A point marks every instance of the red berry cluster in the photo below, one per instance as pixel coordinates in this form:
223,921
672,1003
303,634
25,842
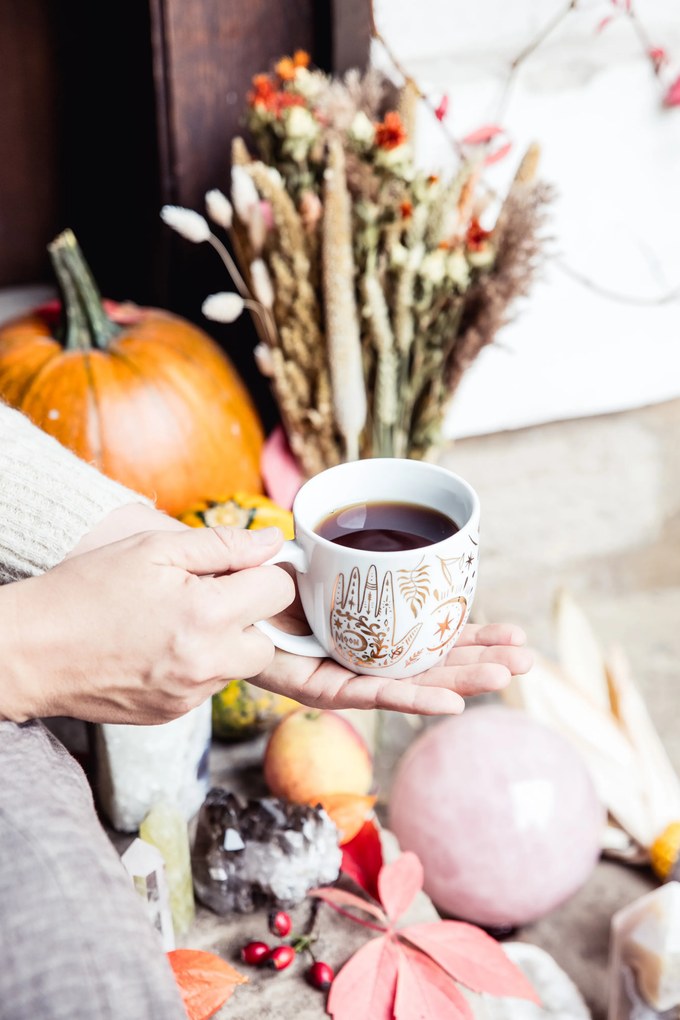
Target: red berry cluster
319,974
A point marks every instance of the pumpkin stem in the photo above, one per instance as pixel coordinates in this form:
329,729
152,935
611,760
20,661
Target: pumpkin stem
87,324
76,334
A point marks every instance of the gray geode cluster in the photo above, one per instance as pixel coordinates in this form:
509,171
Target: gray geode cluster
265,852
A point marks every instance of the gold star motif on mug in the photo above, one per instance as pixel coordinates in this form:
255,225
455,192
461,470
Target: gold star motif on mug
444,626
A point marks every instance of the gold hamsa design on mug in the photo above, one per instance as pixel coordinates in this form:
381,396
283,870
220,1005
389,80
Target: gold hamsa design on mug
363,623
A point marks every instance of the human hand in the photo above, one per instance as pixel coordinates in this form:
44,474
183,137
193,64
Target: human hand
124,521
484,659
143,629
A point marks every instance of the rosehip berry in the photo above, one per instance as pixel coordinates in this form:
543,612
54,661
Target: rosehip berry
280,923
255,953
320,975
280,957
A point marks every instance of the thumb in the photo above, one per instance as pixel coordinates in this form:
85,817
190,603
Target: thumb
217,550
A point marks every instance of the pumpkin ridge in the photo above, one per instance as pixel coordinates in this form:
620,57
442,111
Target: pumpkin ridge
93,397
197,361
151,389
30,383
249,435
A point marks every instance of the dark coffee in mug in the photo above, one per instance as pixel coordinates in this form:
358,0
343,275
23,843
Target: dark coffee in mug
386,527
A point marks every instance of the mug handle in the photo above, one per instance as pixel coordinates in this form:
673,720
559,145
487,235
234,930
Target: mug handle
298,644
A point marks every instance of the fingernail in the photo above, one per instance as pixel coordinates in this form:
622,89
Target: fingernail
266,536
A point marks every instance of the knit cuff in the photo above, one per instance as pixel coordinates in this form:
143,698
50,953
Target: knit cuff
49,498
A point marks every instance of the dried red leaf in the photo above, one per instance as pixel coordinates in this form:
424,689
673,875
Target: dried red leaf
498,154
658,56
482,135
340,898
442,108
425,992
50,312
362,858
365,987
672,97
205,981
398,884
472,957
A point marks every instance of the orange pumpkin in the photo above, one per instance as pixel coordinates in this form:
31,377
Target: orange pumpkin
143,394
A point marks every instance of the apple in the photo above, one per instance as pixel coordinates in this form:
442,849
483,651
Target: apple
312,753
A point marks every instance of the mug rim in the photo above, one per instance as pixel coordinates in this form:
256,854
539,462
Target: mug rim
418,465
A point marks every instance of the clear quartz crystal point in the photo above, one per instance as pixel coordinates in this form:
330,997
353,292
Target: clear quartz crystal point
165,827
145,866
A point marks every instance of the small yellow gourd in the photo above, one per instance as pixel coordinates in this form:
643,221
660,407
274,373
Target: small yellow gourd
242,710
242,510
664,853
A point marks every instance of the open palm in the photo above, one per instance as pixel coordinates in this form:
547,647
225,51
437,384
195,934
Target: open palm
484,659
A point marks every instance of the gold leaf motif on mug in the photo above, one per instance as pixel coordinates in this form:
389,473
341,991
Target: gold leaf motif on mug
447,563
414,586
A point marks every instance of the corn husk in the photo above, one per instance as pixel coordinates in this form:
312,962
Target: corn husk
591,698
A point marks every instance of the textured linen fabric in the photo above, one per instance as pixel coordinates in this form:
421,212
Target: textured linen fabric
49,498
75,942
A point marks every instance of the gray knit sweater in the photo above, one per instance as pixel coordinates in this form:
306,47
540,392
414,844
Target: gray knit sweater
49,498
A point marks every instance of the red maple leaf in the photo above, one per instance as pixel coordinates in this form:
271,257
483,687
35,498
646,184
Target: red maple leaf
362,858
413,973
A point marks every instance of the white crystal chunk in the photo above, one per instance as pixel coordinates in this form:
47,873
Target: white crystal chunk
644,967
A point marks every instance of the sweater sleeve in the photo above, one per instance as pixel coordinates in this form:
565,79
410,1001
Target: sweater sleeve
49,498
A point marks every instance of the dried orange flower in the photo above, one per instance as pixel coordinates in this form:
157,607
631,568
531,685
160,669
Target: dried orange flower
391,132
285,68
406,210
284,100
263,90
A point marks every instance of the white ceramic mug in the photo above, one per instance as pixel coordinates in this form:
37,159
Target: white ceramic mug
391,614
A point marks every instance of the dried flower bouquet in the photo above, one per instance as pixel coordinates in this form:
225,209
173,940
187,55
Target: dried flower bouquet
372,284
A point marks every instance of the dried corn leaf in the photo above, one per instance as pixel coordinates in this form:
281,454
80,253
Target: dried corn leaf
593,701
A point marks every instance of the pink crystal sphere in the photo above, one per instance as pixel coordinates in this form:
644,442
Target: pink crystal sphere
501,811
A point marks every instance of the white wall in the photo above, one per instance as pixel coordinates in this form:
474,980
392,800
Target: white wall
613,153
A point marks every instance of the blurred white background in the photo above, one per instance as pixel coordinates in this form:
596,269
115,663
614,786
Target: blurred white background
611,150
